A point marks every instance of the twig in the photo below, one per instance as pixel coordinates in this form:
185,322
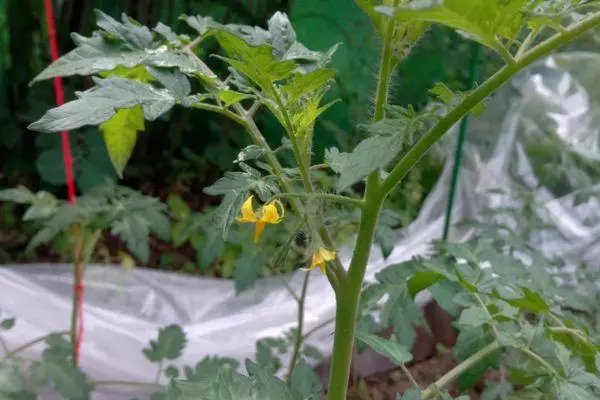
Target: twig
409,375
538,359
325,196
318,327
125,383
298,340
27,345
457,371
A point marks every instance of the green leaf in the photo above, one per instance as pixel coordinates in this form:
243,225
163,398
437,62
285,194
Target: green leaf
7,324
235,186
370,155
531,301
232,386
385,235
19,195
255,62
396,352
169,345
452,99
100,103
474,316
305,383
336,160
11,380
171,372
229,97
63,377
267,386
120,135
43,205
207,366
483,20
266,358
410,394
178,207
247,269
131,33
116,45
422,280
497,391
470,340
59,349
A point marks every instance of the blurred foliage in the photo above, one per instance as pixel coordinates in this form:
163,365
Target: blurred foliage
200,145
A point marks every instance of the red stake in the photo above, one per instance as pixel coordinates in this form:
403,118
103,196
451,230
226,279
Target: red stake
68,161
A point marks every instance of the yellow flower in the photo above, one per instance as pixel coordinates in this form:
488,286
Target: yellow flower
321,257
271,213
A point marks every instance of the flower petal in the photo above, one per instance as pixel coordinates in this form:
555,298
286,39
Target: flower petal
258,231
270,213
248,214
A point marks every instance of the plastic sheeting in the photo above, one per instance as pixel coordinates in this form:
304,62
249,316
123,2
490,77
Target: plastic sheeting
553,105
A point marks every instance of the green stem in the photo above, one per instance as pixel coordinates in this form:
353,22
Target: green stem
148,385
457,371
348,298
76,297
539,360
27,345
299,337
355,203
159,372
245,118
260,141
481,93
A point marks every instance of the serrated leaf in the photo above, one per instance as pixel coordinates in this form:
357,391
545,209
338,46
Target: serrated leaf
208,365
422,280
267,386
497,391
19,195
474,316
232,386
336,160
247,269
229,97
256,62
531,301
470,340
452,99
370,155
7,324
396,352
132,34
63,377
410,394
120,135
11,380
235,186
98,105
171,372
172,80
178,207
483,20
169,345
305,383
266,358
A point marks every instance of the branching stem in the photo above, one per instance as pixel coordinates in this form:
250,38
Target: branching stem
299,338
15,352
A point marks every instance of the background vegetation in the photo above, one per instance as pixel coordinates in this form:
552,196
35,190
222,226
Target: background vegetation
179,155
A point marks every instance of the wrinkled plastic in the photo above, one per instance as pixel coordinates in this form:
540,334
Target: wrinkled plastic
555,103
